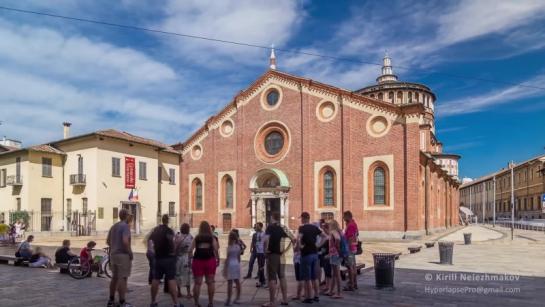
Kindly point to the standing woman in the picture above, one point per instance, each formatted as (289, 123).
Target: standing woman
(335, 259)
(183, 243)
(231, 269)
(205, 261)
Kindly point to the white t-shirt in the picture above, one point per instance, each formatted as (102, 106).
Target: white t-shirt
(259, 238)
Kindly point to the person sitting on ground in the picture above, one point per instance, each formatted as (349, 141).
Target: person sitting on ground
(25, 250)
(39, 260)
(63, 255)
(86, 258)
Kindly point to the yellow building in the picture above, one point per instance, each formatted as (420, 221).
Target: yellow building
(80, 183)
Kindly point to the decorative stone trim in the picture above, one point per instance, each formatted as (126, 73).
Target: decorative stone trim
(192, 177)
(326, 110)
(227, 128)
(196, 152)
(259, 142)
(368, 163)
(264, 94)
(378, 126)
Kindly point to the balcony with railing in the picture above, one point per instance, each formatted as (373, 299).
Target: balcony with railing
(14, 180)
(77, 179)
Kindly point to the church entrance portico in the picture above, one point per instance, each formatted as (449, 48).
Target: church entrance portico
(269, 193)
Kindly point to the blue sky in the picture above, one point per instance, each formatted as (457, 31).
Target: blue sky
(164, 87)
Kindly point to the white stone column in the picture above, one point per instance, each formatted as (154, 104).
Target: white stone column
(283, 210)
(254, 205)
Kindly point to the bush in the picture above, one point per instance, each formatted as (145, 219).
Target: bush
(20, 215)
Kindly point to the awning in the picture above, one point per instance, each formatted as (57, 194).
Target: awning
(466, 211)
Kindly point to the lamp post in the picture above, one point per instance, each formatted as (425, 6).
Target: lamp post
(512, 167)
(494, 201)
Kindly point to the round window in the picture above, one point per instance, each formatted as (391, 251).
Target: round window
(274, 142)
(272, 97)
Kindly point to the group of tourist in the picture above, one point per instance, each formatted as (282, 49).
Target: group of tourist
(319, 250)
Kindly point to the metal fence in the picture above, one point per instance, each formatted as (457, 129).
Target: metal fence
(35, 220)
(536, 225)
(76, 222)
(82, 223)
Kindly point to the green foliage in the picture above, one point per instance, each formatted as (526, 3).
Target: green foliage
(20, 215)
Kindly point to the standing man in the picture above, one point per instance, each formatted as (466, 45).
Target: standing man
(260, 253)
(165, 261)
(119, 241)
(308, 236)
(253, 255)
(351, 234)
(275, 269)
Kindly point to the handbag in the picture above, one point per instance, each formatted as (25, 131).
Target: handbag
(359, 249)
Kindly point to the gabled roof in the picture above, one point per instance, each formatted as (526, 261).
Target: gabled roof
(111, 133)
(358, 98)
(122, 135)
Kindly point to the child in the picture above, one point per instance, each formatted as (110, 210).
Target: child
(296, 267)
(86, 259)
(231, 269)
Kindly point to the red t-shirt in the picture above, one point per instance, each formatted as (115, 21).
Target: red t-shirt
(85, 256)
(350, 234)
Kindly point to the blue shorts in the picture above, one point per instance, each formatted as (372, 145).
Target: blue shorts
(307, 267)
(297, 269)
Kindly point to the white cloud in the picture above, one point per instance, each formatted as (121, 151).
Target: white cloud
(255, 22)
(470, 19)
(417, 35)
(493, 98)
(47, 77)
(46, 51)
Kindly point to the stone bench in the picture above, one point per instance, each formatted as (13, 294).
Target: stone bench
(414, 249)
(6, 259)
(359, 267)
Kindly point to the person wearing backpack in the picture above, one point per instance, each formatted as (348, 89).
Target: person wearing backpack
(335, 258)
(351, 236)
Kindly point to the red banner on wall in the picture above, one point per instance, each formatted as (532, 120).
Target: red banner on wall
(130, 173)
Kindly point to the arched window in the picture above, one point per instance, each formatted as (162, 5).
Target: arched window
(380, 96)
(391, 96)
(327, 190)
(400, 97)
(372, 96)
(416, 97)
(329, 198)
(227, 188)
(379, 182)
(197, 194)
(410, 97)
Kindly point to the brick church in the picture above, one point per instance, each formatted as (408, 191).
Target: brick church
(289, 144)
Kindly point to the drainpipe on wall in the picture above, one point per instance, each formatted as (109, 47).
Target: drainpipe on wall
(302, 152)
(426, 197)
(405, 191)
(342, 159)
(63, 192)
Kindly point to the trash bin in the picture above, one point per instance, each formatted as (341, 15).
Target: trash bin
(384, 270)
(445, 252)
(467, 238)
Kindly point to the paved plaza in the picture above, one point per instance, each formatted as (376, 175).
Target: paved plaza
(493, 271)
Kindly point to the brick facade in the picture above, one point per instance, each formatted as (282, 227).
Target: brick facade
(343, 141)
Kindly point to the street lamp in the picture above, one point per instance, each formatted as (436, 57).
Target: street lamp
(512, 167)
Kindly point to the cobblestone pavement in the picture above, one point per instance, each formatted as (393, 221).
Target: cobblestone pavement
(418, 280)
